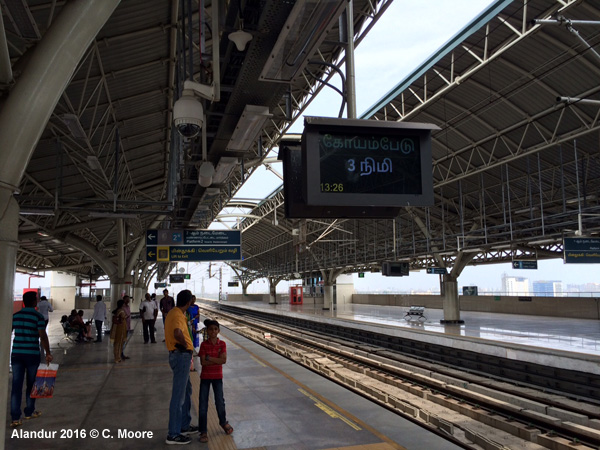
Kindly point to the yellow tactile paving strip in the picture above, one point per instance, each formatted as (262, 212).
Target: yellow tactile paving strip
(217, 439)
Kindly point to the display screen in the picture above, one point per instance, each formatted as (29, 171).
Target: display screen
(350, 162)
(360, 163)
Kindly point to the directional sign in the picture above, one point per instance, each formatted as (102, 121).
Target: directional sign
(176, 278)
(193, 245)
(524, 265)
(151, 237)
(437, 270)
(582, 250)
(160, 285)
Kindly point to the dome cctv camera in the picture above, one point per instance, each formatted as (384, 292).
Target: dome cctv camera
(188, 116)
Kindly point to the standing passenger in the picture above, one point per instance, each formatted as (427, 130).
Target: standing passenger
(148, 313)
(179, 344)
(29, 328)
(99, 316)
(166, 304)
(213, 354)
(44, 307)
(118, 331)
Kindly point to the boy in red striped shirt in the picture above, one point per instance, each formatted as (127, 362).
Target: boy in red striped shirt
(213, 354)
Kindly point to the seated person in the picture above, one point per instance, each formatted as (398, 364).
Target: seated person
(75, 321)
(87, 326)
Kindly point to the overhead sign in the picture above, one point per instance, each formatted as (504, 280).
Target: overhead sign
(437, 270)
(179, 277)
(160, 285)
(469, 290)
(233, 284)
(524, 264)
(581, 250)
(193, 245)
(367, 162)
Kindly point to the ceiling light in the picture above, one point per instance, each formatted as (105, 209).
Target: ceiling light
(74, 125)
(36, 212)
(114, 215)
(301, 35)
(93, 162)
(248, 127)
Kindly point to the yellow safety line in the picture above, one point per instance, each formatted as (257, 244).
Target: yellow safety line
(330, 412)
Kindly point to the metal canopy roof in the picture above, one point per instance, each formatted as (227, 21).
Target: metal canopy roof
(513, 168)
(109, 164)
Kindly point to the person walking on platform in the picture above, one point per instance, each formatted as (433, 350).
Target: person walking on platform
(167, 303)
(179, 344)
(29, 327)
(148, 312)
(118, 332)
(99, 316)
(213, 354)
(44, 307)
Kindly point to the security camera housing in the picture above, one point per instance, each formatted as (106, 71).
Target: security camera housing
(188, 116)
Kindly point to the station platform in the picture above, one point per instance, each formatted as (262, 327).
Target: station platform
(271, 402)
(553, 341)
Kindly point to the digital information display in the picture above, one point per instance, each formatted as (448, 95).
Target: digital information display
(365, 162)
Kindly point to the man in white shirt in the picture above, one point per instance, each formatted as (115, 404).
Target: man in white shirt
(44, 307)
(148, 313)
(99, 316)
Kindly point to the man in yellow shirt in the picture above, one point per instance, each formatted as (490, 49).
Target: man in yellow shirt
(180, 346)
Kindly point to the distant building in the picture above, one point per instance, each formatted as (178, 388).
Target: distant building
(515, 285)
(548, 288)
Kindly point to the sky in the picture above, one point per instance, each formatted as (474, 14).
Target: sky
(407, 34)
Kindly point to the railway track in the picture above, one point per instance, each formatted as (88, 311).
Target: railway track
(473, 410)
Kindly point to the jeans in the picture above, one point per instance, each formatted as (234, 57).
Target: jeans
(219, 402)
(181, 395)
(148, 327)
(99, 329)
(22, 364)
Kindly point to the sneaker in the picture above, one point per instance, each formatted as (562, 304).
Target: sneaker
(191, 430)
(178, 440)
(33, 415)
(16, 423)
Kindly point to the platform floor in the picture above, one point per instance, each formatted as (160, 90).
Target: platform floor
(557, 333)
(272, 403)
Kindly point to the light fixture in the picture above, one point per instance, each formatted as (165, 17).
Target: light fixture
(36, 212)
(74, 125)
(248, 127)
(224, 168)
(304, 30)
(206, 172)
(93, 162)
(113, 215)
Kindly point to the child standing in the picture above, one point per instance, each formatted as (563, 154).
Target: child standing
(213, 354)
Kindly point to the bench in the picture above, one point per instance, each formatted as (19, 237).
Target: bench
(415, 311)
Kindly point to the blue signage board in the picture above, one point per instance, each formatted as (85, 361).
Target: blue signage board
(193, 237)
(193, 245)
(581, 250)
(524, 264)
(205, 253)
(212, 237)
(437, 270)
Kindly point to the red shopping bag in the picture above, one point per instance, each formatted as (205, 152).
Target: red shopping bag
(44, 381)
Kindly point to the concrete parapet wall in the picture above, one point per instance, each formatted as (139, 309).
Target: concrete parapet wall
(573, 307)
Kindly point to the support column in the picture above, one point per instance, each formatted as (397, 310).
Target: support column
(9, 243)
(327, 296)
(451, 300)
(273, 290)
